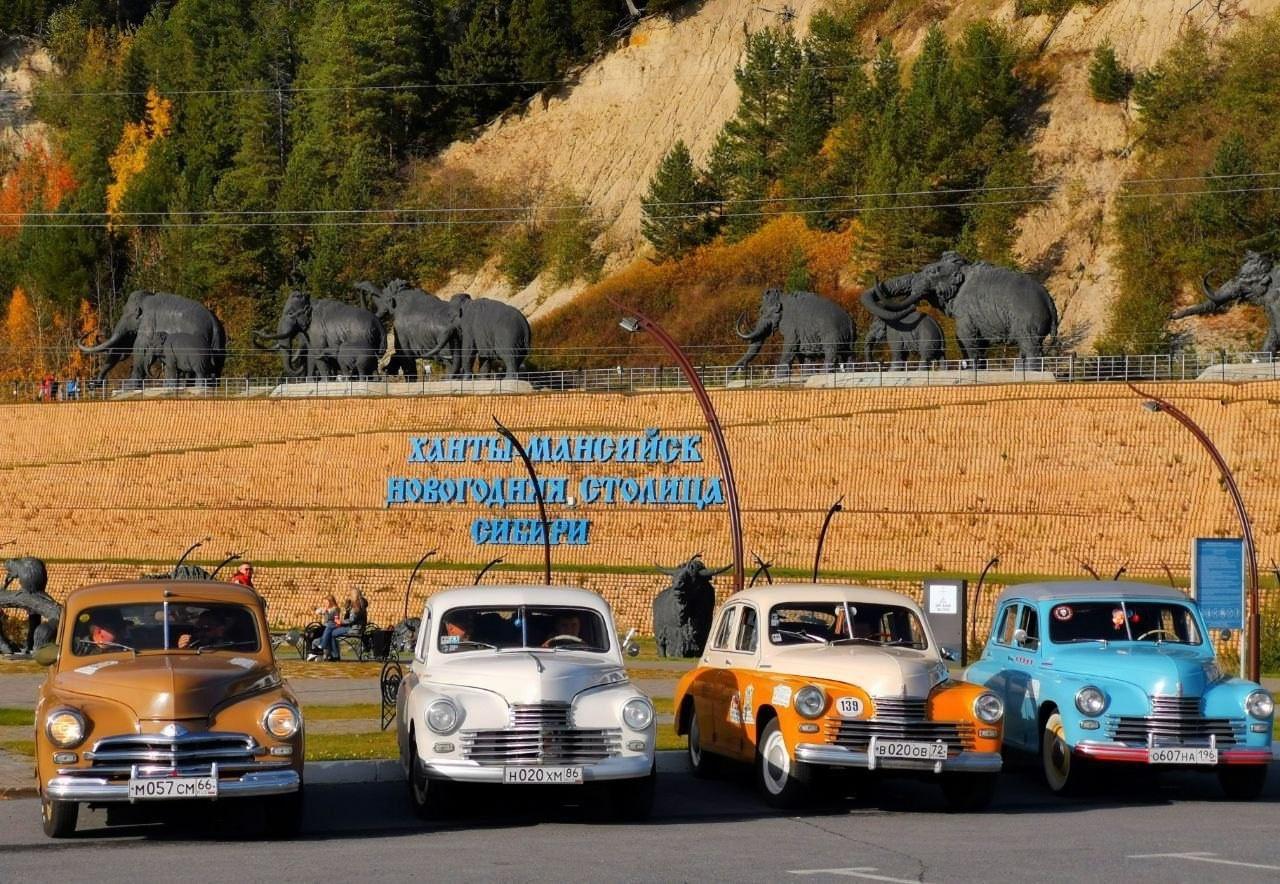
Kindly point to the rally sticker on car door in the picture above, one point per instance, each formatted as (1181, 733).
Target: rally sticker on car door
(849, 707)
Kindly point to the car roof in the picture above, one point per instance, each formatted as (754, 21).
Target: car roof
(1089, 589)
(518, 594)
(780, 593)
(126, 591)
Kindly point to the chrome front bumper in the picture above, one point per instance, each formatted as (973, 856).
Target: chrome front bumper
(255, 784)
(621, 767)
(1122, 754)
(838, 756)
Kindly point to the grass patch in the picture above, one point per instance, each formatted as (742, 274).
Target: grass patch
(651, 674)
(303, 669)
(663, 705)
(343, 713)
(19, 747)
(336, 747)
(17, 667)
(17, 717)
(667, 738)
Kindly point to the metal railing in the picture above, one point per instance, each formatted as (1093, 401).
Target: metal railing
(630, 379)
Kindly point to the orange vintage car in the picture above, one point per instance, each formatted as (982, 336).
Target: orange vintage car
(163, 690)
(804, 679)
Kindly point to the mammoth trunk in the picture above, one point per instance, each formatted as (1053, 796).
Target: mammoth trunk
(119, 340)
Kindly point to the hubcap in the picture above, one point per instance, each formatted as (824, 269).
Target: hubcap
(777, 763)
(695, 741)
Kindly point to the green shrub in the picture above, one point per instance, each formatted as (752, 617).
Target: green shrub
(520, 255)
(1108, 79)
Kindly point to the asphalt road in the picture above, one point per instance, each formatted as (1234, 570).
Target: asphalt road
(1135, 829)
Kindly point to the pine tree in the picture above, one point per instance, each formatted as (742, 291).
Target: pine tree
(1108, 80)
(675, 213)
(540, 32)
(479, 54)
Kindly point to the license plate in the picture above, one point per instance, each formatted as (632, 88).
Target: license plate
(1183, 755)
(552, 776)
(147, 788)
(911, 751)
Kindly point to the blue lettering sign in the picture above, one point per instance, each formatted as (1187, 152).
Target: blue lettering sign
(1217, 580)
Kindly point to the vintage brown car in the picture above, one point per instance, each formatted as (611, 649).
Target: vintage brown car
(165, 690)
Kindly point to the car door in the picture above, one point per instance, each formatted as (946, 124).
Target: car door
(1000, 652)
(1021, 724)
(742, 655)
(718, 686)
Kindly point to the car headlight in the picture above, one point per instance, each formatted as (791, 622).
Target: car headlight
(637, 713)
(442, 716)
(1090, 701)
(810, 701)
(988, 707)
(282, 721)
(1259, 704)
(65, 728)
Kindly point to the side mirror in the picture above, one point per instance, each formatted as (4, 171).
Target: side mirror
(1020, 637)
(633, 650)
(47, 655)
(949, 654)
(1226, 635)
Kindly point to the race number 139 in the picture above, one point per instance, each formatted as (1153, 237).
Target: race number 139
(849, 707)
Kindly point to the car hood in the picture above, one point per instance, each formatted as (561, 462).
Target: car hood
(168, 686)
(1155, 669)
(526, 676)
(881, 672)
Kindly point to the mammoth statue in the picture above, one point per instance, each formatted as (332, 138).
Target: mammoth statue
(149, 315)
(990, 304)
(338, 340)
(1257, 282)
(811, 326)
(485, 330)
(43, 613)
(905, 331)
(184, 357)
(419, 322)
(682, 611)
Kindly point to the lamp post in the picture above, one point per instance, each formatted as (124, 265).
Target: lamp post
(637, 322)
(1156, 404)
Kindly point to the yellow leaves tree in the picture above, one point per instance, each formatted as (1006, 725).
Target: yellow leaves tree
(21, 357)
(136, 141)
(78, 365)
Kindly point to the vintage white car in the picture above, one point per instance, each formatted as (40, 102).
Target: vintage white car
(523, 685)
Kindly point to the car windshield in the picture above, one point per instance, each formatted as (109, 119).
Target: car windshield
(1117, 620)
(845, 623)
(191, 626)
(523, 626)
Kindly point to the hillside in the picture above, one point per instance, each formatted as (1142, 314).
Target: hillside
(606, 135)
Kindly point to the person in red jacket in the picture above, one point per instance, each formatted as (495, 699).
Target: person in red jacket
(244, 575)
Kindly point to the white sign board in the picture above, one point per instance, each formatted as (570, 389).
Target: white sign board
(943, 598)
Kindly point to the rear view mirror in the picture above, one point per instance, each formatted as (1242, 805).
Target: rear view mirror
(949, 654)
(633, 650)
(1019, 637)
(47, 655)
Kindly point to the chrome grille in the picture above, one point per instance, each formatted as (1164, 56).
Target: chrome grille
(118, 755)
(899, 708)
(899, 718)
(857, 735)
(559, 745)
(1175, 721)
(541, 715)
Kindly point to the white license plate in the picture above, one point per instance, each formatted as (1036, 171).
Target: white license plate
(553, 776)
(147, 788)
(1183, 755)
(911, 751)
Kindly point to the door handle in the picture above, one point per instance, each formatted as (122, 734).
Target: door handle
(728, 662)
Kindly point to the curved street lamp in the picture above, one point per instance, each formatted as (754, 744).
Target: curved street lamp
(1156, 404)
(637, 322)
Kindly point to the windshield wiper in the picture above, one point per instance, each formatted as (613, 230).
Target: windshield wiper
(807, 636)
(474, 643)
(855, 638)
(130, 648)
(202, 648)
(1072, 641)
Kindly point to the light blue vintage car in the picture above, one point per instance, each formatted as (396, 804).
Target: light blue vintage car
(1105, 671)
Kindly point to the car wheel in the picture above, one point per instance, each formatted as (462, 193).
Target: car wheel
(1064, 773)
(1242, 783)
(283, 815)
(419, 785)
(632, 800)
(703, 763)
(59, 817)
(968, 791)
(777, 772)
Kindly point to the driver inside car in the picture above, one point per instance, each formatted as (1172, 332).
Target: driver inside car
(107, 632)
(211, 629)
(567, 626)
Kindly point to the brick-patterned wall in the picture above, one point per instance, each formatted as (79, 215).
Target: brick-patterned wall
(934, 480)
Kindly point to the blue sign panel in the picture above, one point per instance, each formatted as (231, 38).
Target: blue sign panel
(1217, 580)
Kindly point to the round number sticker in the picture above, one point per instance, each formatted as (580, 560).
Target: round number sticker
(1063, 612)
(849, 707)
